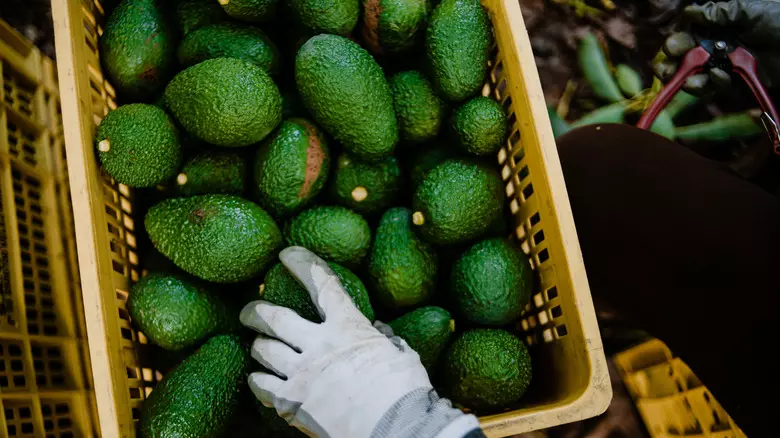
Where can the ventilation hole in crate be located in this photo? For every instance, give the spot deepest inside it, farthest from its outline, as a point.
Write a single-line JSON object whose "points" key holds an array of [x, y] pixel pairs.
{"points": [[18, 93], [49, 365], [496, 72], [543, 319], [13, 362], [528, 191], [114, 230], [543, 256], [132, 373], [556, 312], [135, 393], [501, 89], [547, 335], [123, 314], [510, 189], [523, 173], [514, 138], [57, 420], [136, 413], [539, 237], [538, 300], [514, 206], [520, 231], [119, 267], [127, 334], [18, 418], [111, 211], [561, 330], [535, 219]]}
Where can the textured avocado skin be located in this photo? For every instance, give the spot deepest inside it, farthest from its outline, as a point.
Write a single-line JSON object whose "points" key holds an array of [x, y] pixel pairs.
{"points": [[334, 233], [291, 167], [492, 282], [145, 149], [194, 14], [225, 101], [402, 267], [393, 26], [283, 289], [425, 160], [480, 126], [458, 42], [346, 93], [138, 48], [219, 238], [427, 330], [200, 396], [382, 181], [419, 111], [253, 11], [459, 200], [176, 312], [214, 172], [337, 17], [230, 40], [486, 369]]}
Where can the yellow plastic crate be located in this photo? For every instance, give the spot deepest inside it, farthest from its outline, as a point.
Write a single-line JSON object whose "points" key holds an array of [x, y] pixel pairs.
{"points": [[44, 379], [570, 374], [669, 397]]}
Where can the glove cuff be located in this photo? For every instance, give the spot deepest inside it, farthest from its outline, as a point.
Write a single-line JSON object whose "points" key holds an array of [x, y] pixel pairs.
{"points": [[422, 414]]}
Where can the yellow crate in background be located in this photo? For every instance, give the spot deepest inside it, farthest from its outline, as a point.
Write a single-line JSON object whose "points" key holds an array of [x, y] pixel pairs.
{"points": [[44, 363], [669, 397], [571, 381]]}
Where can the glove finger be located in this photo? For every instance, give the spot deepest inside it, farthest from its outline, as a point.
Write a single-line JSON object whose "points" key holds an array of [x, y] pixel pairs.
{"points": [[697, 84], [383, 328], [276, 356], [323, 285], [678, 44], [265, 387], [280, 323], [714, 13]]}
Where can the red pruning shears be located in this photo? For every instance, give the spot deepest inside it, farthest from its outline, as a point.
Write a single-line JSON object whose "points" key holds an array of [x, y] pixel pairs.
{"points": [[729, 57]]}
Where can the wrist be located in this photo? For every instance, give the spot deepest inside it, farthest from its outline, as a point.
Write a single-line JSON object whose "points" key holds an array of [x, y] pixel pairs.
{"points": [[421, 413]]}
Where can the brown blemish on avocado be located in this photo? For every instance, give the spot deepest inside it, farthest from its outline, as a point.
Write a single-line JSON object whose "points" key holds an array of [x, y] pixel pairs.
{"points": [[149, 74], [314, 158], [370, 29]]}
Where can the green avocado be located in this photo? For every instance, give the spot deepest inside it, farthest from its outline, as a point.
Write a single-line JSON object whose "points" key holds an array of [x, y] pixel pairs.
{"points": [[480, 126], [194, 14], [492, 282], [212, 172], [230, 40], [425, 159], [225, 102], [337, 17], [402, 268], [457, 201], [334, 233], [282, 289], [139, 145], [427, 330], [253, 11], [138, 48], [419, 110], [345, 91], [367, 188], [177, 312], [486, 369], [393, 26], [219, 238], [199, 397], [458, 42], [291, 167]]}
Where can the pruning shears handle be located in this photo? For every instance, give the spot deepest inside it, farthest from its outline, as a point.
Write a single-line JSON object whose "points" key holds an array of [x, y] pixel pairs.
{"points": [[719, 54]]}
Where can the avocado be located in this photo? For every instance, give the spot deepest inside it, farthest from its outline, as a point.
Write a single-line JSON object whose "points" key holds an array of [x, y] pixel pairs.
{"points": [[425, 159], [367, 188], [480, 126], [427, 330], [345, 91], [253, 11], [492, 282], [393, 26], [176, 312], [219, 238], [225, 102], [419, 110], [291, 167], [334, 233], [486, 369], [139, 145], [337, 17], [212, 172], [282, 289], [200, 396], [194, 14], [402, 268], [458, 42], [138, 48], [457, 201], [229, 40]]}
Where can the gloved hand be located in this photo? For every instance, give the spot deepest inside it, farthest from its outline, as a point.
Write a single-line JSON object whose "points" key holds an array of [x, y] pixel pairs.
{"points": [[342, 377], [755, 22]]}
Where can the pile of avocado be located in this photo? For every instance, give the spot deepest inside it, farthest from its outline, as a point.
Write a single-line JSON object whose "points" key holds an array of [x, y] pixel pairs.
{"points": [[249, 125]]}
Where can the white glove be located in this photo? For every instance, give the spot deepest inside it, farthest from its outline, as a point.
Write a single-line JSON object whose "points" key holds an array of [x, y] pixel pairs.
{"points": [[340, 378]]}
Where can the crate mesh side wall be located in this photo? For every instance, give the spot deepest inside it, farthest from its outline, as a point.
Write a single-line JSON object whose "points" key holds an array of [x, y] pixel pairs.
{"points": [[44, 387]]}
